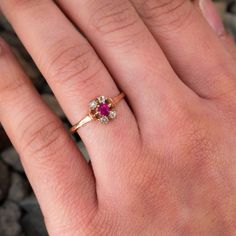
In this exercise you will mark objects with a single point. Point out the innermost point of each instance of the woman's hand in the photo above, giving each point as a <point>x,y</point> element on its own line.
<point>167,164</point>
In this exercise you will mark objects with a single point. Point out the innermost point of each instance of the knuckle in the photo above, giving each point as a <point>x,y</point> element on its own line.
<point>9,87</point>
<point>12,80</point>
<point>167,14</point>
<point>73,66</point>
<point>113,18</point>
<point>44,139</point>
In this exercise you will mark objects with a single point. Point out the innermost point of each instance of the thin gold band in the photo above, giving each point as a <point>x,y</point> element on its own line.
<point>89,118</point>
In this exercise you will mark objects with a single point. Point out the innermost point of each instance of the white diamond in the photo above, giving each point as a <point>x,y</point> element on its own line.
<point>112,114</point>
<point>104,120</point>
<point>93,105</point>
<point>101,99</point>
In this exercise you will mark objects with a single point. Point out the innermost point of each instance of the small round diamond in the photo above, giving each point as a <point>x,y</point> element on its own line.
<point>101,99</point>
<point>93,105</point>
<point>104,120</point>
<point>112,114</point>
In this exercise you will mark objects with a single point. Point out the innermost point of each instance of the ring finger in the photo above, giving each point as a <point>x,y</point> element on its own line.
<point>75,74</point>
<point>133,56</point>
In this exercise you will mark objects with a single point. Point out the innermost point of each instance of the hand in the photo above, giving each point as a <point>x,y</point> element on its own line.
<point>167,164</point>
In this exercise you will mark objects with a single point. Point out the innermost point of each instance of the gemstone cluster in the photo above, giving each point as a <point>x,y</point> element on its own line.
<point>102,109</point>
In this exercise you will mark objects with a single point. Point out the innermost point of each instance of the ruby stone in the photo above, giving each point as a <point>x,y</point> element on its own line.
<point>104,109</point>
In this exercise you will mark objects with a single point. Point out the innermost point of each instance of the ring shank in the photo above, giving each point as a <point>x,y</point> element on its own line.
<point>84,121</point>
<point>88,118</point>
<point>118,98</point>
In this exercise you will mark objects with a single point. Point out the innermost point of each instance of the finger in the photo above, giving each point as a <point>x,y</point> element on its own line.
<point>132,55</point>
<point>190,44</point>
<point>76,75</point>
<point>213,18</point>
<point>56,170</point>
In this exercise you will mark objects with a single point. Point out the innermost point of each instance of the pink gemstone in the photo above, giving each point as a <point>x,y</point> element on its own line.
<point>104,109</point>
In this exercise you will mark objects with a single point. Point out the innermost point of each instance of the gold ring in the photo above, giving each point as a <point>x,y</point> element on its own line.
<point>101,109</point>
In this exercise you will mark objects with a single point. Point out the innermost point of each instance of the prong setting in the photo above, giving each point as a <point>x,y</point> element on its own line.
<point>102,109</point>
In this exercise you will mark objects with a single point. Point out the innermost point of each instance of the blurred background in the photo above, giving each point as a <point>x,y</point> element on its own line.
<point>20,214</point>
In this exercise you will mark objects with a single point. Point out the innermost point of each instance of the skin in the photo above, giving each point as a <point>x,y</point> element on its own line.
<point>167,164</point>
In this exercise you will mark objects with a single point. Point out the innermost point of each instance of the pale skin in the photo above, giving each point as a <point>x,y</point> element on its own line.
<point>167,164</point>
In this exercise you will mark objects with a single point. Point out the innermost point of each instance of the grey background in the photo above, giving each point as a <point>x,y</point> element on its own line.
<point>20,214</point>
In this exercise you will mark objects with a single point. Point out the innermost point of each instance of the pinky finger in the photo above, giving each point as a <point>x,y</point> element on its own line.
<point>56,169</point>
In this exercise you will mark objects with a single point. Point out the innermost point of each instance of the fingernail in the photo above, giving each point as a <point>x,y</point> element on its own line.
<point>212,16</point>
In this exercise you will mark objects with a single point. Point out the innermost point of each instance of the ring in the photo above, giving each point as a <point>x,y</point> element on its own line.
<point>101,109</point>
